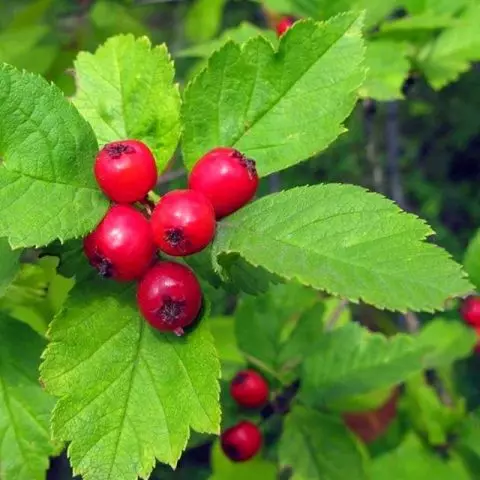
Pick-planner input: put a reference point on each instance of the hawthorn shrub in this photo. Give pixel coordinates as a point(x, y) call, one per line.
point(253, 326)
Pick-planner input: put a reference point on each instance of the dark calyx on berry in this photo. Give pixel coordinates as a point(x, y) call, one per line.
point(176, 238)
point(116, 150)
point(227, 178)
point(169, 297)
point(248, 163)
point(239, 378)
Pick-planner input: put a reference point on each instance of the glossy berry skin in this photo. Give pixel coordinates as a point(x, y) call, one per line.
point(227, 178)
point(283, 25)
point(249, 389)
point(126, 171)
point(169, 297)
point(242, 441)
point(471, 311)
point(121, 247)
point(183, 222)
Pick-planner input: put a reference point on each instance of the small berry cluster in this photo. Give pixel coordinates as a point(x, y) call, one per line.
point(244, 440)
point(125, 243)
point(470, 312)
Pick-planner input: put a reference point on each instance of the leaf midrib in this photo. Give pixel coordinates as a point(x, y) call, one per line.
point(289, 88)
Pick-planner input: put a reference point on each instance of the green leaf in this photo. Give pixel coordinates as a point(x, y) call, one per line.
point(223, 332)
point(447, 341)
point(427, 413)
point(203, 19)
point(36, 294)
point(472, 260)
point(319, 446)
point(112, 18)
point(245, 31)
point(279, 107)
point(255, 469)
point(413, 460)
point(426, 21)
point(469, 440)
point(140, 389)
point(260, 323)
point(126, 90)
point(450, 54)
point(9, 264)
point(347, 241)
point(385, 79)
point(46, 156)
point(353, 361)
point(376, 10)
point(24, 407)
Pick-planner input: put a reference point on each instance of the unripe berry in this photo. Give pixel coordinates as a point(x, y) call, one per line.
point(471, 311)
point(249, 389)
point(169, 297)
point(183, 222)
point(283, 25)
point(126, 171)
point(121, 247)
point(227, 178)
point(242, 441)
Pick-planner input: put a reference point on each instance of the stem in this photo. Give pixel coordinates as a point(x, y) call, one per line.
point(393, 154)
point(169, 176)
point(258, 363)
point(335, 316)
point(274, 182)
point(369, 111)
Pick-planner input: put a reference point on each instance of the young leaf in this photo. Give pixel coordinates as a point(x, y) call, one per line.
point(260, 323)
point(343, 239)
point(279, 107)
point(447, 342)
point(47, 189)
point(385, 79)
point(450, 54)
point(427, 413)
point(9, 264)
point(412, 459)
point(245, 31)
point(255, 469)
point(375, 10)
point(472, 260)
point(126, 90)
point(223, 332)
point(128, 394)
point(24, 407)
point(318, 446)
point(353, 361)
point(203, 20)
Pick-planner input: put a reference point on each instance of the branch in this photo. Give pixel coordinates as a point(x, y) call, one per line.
point(369, 111)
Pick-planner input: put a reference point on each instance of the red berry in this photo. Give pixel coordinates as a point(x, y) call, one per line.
point(183, 222)
point(126, 171)
point(471, 311)
point(169, 297)
point(249, 389)
point(121, 247)
point(227, 178)
point(283, 25)
point(242, 441)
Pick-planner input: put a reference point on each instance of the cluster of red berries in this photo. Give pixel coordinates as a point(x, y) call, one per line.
point(244, 440)
point(470, 312)
point(125, 243)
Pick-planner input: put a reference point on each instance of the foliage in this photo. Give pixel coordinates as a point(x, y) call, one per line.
point(301, 284)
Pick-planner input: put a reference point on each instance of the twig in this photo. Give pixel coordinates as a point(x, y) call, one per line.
point(169, 176)
point(393, 154)
point(369, 111)
point(412, 324)
point(274, 182)
point(335, 316)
